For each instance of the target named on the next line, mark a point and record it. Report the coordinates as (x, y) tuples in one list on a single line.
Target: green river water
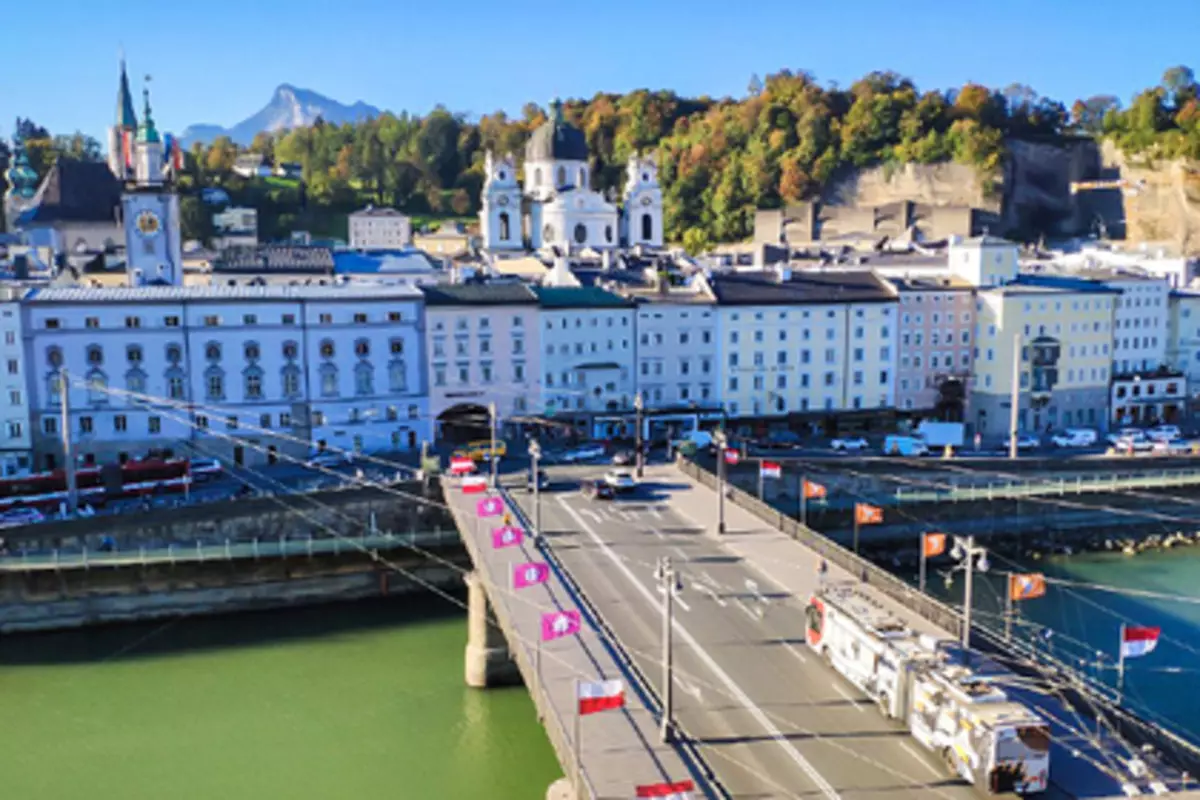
[(361, 700)]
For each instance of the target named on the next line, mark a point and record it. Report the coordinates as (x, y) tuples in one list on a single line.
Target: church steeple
[(147, 133), (126, 119)]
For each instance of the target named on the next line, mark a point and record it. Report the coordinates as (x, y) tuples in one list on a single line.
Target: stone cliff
[(1032, 194)]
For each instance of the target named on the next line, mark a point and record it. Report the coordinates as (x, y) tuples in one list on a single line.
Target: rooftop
[(75, 191), (276, 258), (479, 294), (765, 289), (950, 283), (579, 297), (163, 294), (372, 211), (382, 261), (1054, 284)]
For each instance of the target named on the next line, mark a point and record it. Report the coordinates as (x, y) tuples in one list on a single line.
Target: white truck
[(983, 737), (941, 434)]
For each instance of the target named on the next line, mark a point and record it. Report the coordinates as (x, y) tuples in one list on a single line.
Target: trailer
[(983, 737)]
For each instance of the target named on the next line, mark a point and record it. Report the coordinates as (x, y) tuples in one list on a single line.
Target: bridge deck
[(767, 715), (618, 749)]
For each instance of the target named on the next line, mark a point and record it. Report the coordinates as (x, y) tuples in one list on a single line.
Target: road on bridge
[(769, 716)]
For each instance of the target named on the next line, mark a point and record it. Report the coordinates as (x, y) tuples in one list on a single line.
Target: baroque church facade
[(555, 207)]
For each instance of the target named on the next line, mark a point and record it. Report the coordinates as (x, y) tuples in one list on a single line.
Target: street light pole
[(669, 584), (1015, 413), (722, 443), (535, 453), (637, 407), (64, 388), (492, 426), (966, 551)]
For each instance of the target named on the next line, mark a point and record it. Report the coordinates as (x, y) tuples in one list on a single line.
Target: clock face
[(147, 224), (646, 201), (502, 201)]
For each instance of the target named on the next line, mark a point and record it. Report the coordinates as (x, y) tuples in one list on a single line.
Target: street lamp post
[(966, 552), (492, 426), (535, 453), (669, 584), (721, 441), (637, 407)]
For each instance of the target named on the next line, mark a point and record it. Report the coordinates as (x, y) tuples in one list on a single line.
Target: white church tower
[(642, 212), (150, 210), (500, 212)]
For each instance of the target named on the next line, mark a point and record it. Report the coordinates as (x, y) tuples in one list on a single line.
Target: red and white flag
[(732, 456), (461, 465), (1138, 640), (599, 696), (679, 790), (474, 484), (770, 469)]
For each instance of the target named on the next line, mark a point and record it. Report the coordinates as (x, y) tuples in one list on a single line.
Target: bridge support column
[(487, 659), (561, 789)]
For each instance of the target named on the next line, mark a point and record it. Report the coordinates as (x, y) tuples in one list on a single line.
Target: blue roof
[(1061, 283), (352, 261)]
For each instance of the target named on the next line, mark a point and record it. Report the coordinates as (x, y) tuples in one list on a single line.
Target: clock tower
[(150, 212)]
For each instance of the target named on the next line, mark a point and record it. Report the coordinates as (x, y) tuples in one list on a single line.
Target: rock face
[(1032, 193), (290, 107)]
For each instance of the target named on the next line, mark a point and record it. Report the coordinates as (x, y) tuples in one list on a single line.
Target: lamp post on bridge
[(535, 453), (966, 552), (669, 584), (721, 441), (640, 460)]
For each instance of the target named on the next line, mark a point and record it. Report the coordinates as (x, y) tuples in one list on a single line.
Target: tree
[(460, 202), (264, 144), (437, 145), (78, 146), (220, 156), (1180, 84), (755, 88), (696, 241), (195, 220)]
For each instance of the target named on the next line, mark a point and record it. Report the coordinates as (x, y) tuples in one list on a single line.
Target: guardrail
[(1080, 484), (227, 551), (1179, 751)]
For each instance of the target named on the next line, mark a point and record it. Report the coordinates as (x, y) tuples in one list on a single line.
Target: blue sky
[(218, 61)]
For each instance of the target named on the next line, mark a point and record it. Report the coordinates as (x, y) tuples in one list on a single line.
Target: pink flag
[(558, 624), (489, 507), (530, 574), (507, 536)]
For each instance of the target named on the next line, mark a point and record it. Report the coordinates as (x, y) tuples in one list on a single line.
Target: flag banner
[(461, 466), (558, 624), (474, 484), (933, 544), (597, 696), (127, 147), (732, 456), (814, 491), (669, 791), (770, 469), (1138, 640), (1026, 587), (507, 536), (177, 157), (489, 507), (867, 515), (531, 574)]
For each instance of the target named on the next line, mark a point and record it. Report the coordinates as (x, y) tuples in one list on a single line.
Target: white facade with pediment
[(555, 206)]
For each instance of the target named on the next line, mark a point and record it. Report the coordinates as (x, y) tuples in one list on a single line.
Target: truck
[(942, 434), (982, 736)]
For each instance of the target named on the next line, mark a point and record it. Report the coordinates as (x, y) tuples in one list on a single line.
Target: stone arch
[(504, 226), (647, 227), (464, 422)]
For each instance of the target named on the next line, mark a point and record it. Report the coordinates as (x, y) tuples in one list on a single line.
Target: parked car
[(543, 480), (1181, 447), (204, 469), (329, 459), (623, 458), (596, 490), (620, 480), (1136, 444), (904, 446), (16, 517), (849, 444), (1074, 437), (1125, 433), (1025, 441), (1164, 433), (587, 452), (784, 439)]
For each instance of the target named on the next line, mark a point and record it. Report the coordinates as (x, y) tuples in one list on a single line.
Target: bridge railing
[(255, 549), (1177, 750)]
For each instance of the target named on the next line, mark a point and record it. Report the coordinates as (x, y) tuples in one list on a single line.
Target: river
[(364, 700), (1159, 686)]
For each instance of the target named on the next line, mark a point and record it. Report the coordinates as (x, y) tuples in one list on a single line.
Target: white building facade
[(15, 440), (677, 352), (379, 229), (1140, 323), (247, 374)]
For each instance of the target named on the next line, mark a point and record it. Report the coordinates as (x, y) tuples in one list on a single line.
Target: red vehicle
[(97, 485)]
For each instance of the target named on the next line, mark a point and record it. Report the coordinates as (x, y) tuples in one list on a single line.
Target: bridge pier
[(487, 660), (561, 789)]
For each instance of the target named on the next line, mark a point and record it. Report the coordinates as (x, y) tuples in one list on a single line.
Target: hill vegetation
[(720, 159)]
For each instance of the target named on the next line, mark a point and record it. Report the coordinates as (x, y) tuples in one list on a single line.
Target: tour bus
[(896, 445), (984, 737)]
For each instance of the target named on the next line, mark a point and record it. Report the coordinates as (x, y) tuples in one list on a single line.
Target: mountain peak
[(289, 107)]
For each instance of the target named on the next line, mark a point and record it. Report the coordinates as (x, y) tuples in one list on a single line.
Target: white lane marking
[(679, 552), (655, 512), (595, 517), (849, 697), (794, 651), (678, 600), (917, 757), (711, 592), (750, 612), (823, 785), (689, 687)]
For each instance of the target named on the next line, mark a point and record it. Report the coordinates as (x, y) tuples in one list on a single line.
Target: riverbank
[(344, 700)]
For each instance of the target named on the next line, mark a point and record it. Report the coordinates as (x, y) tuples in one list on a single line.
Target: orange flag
[(933, 544), (867, 515), (813, 491), (1026, 587)]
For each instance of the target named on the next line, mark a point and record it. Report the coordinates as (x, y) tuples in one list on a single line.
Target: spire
[(125, 117), (556, 111), (147, 132), (22, 180)]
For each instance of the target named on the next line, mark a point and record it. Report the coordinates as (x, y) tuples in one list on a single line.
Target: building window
[(580, 233), (291, 381), (120, 424), (215, 385), (360, 318), (504, 226), (212, 351), (95, 355), (396, 347), (288, 319), (51, 323), (329, 380), (647, 227), (212, 321), (253, 385), (362, 348), (325, 319), (133, 354), (364, 379), (171, 321), (201, 421), (397, 377), (91, 322), (175, 387), (231, 423), (133, 322), (85, 424), (395, 316), (154, 425), (327, 350)]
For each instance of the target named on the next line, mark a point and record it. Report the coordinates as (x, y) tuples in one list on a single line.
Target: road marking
[(917, 757), (657, 514), (595, 516), (689, 687), (749, 612), (711, 592), (823, 785), (792, 648), (678, 600), (679, 552), (849, 697)]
